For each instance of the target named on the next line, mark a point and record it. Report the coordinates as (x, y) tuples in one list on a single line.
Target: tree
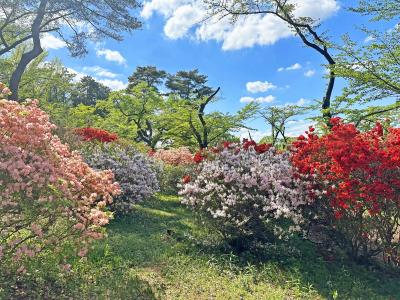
[(372, 72), (88, 91), (190, 123), (189, 85), (380, 9), (148, 74), (142, 106), (304, 27), (277, 117), (27, 20)]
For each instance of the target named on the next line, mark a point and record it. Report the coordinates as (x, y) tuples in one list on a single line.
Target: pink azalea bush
[(51, 201), (174, 164), (174, 157), (245, 193)]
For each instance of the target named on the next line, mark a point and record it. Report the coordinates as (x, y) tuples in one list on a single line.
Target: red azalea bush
[(95, 134), (52, 203), (203, 154), (358, 174)]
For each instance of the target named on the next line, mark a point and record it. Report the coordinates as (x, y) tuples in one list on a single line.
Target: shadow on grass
[(160, 232)]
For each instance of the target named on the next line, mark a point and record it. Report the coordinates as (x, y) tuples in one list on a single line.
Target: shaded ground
[(160, 253)]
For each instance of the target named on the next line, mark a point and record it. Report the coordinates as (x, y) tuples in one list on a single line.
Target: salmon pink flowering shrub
[(95, 134), (174, 164), (175, 157), (51, 201), (359, 174), (134, 172), (245, 193)]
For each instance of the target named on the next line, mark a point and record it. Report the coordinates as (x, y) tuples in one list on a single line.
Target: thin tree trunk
[(31, 55)]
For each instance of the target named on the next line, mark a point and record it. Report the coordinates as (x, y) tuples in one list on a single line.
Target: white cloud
[(368, 39), (259, 86), (111, 55), (113, 84), (295, 66), (266, 99), (100, 72), (183, 15), (256, 135), (309, 73), (49, 41), (298, 127), (78, 75)]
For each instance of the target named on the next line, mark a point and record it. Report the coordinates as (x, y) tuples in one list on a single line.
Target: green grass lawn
[(160, 252)]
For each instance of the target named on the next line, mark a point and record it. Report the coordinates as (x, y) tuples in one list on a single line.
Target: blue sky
[(258, 60)]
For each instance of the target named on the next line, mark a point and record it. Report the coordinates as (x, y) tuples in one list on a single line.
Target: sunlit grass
[(159, 252)]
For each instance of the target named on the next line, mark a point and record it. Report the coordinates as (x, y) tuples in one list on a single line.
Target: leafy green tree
[(372, 71), (27, 20), (379, 9), (88, 91), (277, 117), (189, 85), (192, 126), (141, 109), (148, 74), (304, 27)]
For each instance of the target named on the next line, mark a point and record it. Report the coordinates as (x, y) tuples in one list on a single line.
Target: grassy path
[(160, 253)]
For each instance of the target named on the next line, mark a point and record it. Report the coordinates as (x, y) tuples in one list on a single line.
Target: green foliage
[(171, 176), (148, 74), (88, 91), (161, 253)]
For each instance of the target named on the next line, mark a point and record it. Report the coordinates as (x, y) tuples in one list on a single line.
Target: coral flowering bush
[(134, 172), (174, 157), (359, 175), (174, 164), (246, 194), (95, 134), (51, 201)]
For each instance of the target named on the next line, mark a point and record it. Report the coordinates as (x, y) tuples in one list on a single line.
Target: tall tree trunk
[(31, 55)]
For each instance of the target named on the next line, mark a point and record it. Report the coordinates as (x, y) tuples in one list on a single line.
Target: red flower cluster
[(360, 171), (186, 179), (95, 134), (199, 157), (246, 145)]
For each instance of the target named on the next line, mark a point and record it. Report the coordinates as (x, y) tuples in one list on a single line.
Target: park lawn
[(160, 252)]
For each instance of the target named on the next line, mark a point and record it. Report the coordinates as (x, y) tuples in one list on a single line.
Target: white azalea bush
[(135, 173), (247, 192)]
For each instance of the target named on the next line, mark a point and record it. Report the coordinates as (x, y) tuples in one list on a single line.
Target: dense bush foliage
[(52, 202), (359, 176), (95, 134), (174, 157), (246, 191), (174, 165), (134, 172)]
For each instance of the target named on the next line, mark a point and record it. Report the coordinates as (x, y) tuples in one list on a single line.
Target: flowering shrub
[(174, 157), (95, 134), (174, 164), (133, 171), (51, 200), (359, 175), (245, 193)]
